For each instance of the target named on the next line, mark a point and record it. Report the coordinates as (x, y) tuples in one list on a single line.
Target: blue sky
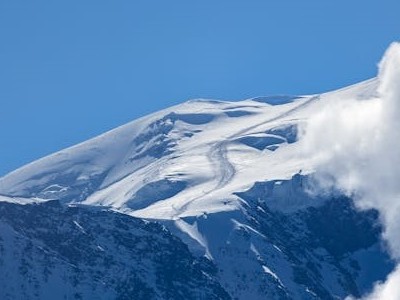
[(70, 70)]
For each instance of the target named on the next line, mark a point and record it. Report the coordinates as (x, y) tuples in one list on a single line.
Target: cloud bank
[(356, 144)]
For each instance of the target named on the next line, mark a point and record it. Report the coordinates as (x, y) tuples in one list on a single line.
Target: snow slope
[(202, 151), (229, 179)]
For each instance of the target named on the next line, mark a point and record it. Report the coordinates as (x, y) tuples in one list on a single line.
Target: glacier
[(204, 200)]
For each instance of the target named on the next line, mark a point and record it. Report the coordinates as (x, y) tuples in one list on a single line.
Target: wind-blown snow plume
[(357, 146)]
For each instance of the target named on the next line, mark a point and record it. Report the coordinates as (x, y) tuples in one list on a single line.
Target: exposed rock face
[(48, 251)]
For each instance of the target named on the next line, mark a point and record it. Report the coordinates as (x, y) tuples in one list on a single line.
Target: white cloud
[(356, 144), (388, 290)]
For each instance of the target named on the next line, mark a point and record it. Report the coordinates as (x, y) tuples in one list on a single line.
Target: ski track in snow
[(224, 170), (218, 154)]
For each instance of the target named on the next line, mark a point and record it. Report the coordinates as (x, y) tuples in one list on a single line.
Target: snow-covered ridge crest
[(236, 181), (188, 159)]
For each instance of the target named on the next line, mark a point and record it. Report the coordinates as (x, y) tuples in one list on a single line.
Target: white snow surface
[(20, 200), (184, 166), (191, 157)]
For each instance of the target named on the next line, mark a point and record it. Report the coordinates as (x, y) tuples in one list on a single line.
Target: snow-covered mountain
[(204, 200)]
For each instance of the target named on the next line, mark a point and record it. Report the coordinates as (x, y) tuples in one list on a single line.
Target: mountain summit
[(204, 200), (183, 161)]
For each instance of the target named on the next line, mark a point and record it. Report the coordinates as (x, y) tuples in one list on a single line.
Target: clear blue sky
[(70, 70)]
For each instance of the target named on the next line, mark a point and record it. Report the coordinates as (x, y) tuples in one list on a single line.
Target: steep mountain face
[(204, 200), (53, 252)]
